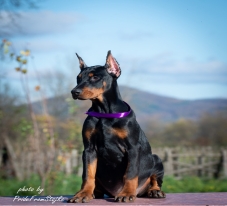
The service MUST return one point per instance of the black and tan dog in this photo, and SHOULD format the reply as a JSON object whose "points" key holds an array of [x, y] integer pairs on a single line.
{"points": [[117, 157]]}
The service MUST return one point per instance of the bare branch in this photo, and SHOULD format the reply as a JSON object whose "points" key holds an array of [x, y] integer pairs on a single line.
{"points": [[10, 13]]}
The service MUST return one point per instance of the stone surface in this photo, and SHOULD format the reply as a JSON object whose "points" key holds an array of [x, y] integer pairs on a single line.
{"points": [[171, 199]]}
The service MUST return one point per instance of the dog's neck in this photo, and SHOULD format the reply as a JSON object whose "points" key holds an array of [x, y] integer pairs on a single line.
{"points": [[110, 101]]}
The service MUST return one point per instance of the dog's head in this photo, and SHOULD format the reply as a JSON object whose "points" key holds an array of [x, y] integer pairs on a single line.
{"points": [[93, 81]]}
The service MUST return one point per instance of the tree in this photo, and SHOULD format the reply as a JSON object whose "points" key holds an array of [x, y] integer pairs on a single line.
{"points": [[10, 13], [212, 130]]}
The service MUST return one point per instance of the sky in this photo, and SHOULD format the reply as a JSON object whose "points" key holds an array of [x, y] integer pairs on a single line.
{"points": [[167, 47]]}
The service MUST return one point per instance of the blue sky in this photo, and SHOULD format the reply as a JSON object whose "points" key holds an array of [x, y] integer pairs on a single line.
{"points": [[172, 48]]}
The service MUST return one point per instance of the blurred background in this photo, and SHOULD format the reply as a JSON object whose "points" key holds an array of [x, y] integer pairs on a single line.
{"points": [[174, 76]]}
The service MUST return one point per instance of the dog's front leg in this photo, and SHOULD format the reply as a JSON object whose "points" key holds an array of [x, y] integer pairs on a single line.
{"points": [[89, 170], [128, 193]]}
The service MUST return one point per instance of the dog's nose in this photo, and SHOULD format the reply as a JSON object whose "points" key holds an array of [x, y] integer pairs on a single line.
{"points": [[76, 92]]}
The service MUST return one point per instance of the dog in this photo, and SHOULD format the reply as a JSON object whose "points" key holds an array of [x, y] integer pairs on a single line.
{"points": [[117, 157]]}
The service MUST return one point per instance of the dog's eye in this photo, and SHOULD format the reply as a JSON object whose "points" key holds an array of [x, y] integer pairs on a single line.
{"points": [[78, 79], [94, 78]]}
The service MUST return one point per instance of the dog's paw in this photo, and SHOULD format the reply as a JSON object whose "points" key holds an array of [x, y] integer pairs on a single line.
{"points": [[81, 197], [156, 194], [125, 198]]}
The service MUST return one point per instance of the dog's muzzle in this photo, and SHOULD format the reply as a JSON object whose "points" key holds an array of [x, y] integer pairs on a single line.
{"points": [[75, 93]]}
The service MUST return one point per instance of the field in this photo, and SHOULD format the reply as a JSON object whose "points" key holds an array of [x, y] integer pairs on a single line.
{"points": [[60, 184]]}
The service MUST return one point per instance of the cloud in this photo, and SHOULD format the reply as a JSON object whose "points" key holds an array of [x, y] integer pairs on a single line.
{"points": [[166, 68], [37, 23], [170, 65], [39, 45]]}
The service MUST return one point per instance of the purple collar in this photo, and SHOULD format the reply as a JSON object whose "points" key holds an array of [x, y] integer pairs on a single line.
{"points": [[110, 115]]}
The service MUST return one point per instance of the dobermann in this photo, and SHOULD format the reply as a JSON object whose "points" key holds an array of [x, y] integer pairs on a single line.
{"points": [[117, 157]]}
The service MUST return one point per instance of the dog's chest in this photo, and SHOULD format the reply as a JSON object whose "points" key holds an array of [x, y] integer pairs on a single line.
{"points": [[109, 147]]}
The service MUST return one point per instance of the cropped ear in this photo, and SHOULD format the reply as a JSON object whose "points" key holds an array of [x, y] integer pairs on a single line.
{"points": [[81, 61], [112, 65]]}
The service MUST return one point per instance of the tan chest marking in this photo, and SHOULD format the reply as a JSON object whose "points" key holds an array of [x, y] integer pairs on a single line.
{"points": [[120, 132]]}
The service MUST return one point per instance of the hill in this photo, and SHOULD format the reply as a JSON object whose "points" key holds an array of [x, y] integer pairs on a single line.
{"points": [[147, 106]]}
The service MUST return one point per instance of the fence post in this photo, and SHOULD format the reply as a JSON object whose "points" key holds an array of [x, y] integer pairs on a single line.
{"points": [[175, 163], [169, 162], [68, 165], [74, 156], [200, 161], [200, 165], [224, 153], [210, 168]]}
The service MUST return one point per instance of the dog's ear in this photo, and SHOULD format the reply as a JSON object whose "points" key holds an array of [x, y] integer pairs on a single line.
{"points": [[81, 61], [112, 65]]}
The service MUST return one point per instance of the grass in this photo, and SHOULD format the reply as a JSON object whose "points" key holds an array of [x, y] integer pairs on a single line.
{"points": [[193, 184], [61, 184]]}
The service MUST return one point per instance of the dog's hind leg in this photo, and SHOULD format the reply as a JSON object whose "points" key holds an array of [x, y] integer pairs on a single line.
{"points": [[98, 192], [156, 179]]}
